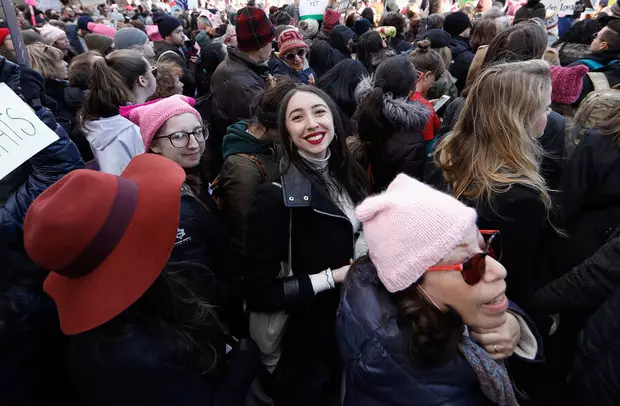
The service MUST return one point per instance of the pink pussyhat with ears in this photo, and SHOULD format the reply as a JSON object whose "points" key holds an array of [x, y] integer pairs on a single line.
{"points": [[411, 227], [102, 29], [150, 117], [153, 32]]}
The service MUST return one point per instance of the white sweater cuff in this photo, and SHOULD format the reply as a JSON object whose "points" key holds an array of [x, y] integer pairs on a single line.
{"points": [[322, 281]]}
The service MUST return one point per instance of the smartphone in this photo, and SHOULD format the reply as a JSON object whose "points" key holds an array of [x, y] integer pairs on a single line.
{"points": [[440, 102]]}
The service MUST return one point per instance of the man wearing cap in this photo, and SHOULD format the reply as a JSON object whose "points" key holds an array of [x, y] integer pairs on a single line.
{"points": [[458, 25], [172, 48], [76, 34], [133, 38], [238, 79]]}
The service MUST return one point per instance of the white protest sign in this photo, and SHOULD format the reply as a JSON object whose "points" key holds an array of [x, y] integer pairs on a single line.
{"points": [[561, 7], [312, 9], [22, 134]]}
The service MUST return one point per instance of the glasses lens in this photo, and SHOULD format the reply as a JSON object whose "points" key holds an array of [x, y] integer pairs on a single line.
{"points": [[473, 268], [179, 140], [200, 135], [301, 53]]}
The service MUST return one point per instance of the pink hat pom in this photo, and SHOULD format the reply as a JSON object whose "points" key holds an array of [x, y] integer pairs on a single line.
{"points": [[423, 225]]}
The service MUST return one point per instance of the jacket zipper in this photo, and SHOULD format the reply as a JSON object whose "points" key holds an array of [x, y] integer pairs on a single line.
{"points": [[344, 218]]}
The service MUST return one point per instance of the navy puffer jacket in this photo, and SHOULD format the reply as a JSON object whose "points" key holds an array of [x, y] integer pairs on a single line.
{"points": [[378, 367]]}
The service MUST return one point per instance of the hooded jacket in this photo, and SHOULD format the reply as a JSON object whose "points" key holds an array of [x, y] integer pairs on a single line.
{"points": [[404, 149], [339, 40], [168, 52], [598, 60], [242, 175], [114, 142], [462, 56]]}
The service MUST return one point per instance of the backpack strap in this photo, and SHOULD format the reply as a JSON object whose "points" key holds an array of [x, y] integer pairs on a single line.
{"points": [[168, 52], [255, 160], [590, 63], [599, 80]]}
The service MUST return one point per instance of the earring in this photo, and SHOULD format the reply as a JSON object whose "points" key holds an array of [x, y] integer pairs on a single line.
{"points": [[335, 135]]}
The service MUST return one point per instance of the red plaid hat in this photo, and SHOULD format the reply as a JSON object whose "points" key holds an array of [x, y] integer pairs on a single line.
{"points": [[254, 30]]}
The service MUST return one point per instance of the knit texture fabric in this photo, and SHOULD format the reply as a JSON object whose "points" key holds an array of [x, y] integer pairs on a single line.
{"points": [[51, 34], [456, 23], [102, 29], [166, 24], [82, 22], [126, 38], [151, 116], [411, 227], [100, 43], [309, 28], [361, 26], [290, 40], [567, 83], [254, 30], [438, 38], [331, 18]]}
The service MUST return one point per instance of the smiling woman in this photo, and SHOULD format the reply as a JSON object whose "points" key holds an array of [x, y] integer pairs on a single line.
{"points": [[306, 220]]}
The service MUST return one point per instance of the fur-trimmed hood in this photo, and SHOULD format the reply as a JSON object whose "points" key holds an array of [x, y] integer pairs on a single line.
{"points": [[404, 114]]}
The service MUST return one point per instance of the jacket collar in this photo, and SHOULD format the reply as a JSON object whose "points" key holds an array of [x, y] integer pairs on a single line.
{"points": [[239, 57], [298, 191]]}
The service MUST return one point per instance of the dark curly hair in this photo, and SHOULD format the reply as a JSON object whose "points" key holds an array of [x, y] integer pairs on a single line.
{"points": [[431, 335]]}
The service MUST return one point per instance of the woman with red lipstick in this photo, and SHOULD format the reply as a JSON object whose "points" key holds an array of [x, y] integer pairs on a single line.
{"points": [[424, 319], [306, 219], [172, 128]]}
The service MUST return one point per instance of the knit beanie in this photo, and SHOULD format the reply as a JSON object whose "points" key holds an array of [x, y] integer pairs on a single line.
{"points": [[531, 10], [283, 28], [438, 38], [126, 38], [567, 83], [289, 40], [282, 18], [166, 24], [615, 10], [309, 28], [153, 32], [97, 42], [51, 34], [361, 26], [331, 18], [150, 117], [456, 23], [388, 32], [411, 227], [254, 30], [82, 22], [102, 29]]}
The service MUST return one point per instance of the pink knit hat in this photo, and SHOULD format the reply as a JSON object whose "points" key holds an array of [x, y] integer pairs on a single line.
{"points": [[151, 116], [411, 227], [567, 83], [102, 29], [153, 32], [289, 40]]}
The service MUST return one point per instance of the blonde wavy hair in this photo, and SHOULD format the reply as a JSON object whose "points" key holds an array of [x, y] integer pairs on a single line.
{"points": [[44, 59], [493, 145]]}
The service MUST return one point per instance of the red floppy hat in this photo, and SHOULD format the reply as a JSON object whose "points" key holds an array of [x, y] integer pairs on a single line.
{"points": [[105, 238]]}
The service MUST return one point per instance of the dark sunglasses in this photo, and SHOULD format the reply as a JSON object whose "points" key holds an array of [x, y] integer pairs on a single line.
{"points": [[474, 267], [291, 55]]}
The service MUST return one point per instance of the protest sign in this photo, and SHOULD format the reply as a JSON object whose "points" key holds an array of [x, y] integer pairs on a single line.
{"points": [[312, 9], [561, 7], [22, 134]]}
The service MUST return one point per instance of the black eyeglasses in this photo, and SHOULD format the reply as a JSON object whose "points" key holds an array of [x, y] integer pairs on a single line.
{"points": [[291, 55], [180, 139]]}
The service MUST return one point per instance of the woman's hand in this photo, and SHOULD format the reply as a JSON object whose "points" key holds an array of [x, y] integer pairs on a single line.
{"points": [[500, 342], [341, 273]]}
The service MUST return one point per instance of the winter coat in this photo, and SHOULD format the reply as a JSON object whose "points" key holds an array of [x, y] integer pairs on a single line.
{"points": [[321, 237], [234, 85], [403, 150], [598, 59], [168, 52], [462, 56], [378, 367], [589, 202], [202, 239], [114, 142], [339, 40], [77, 46], [279, 68], [444, 85], [248, 163], [595, 376], [323, 56], [400, 44], [612, 74], [570, 53], [133, 365]]}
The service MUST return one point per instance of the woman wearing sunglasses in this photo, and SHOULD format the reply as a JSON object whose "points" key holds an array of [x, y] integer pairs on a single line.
{"points": [[173, 128], [291, 60], [424, 318]]}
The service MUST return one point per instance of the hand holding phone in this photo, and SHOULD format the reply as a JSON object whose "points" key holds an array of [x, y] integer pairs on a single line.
{"points": [[440, 102]]}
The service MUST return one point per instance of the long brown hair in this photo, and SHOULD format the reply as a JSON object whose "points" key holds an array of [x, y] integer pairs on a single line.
{"points": [[492, 149], [520, 42], [349, 175], [483, 33], [112, 80]]}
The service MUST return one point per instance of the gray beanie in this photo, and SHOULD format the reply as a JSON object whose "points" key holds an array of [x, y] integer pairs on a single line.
{"points": [[126, 38]]}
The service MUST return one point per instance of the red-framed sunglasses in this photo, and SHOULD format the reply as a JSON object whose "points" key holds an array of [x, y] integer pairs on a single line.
{"points": [[473, 268]]}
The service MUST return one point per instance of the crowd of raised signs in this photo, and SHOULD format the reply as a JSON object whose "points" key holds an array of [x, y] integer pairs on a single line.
{"points": [[370, 206]]}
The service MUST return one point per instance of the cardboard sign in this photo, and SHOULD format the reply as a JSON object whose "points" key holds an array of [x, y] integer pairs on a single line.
{"points": [[312, 9], [22, 134]]}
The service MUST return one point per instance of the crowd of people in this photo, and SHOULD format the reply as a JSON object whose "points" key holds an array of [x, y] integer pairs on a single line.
{"points": [[382, 206]]}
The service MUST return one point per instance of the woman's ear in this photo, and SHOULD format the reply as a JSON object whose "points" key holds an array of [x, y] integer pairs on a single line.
{"points": [[142, 81], [155, 148]]}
